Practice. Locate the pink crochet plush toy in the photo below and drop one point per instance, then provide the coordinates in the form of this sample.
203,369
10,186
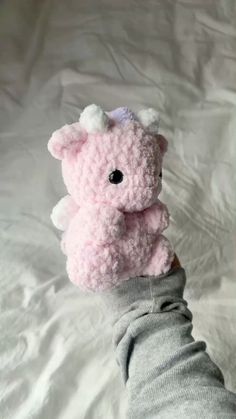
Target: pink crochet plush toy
112,218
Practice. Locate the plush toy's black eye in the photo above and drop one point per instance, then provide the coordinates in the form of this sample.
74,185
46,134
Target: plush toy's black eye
116,177
160,175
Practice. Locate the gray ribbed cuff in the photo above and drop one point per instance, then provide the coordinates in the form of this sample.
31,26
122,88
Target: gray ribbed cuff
148,294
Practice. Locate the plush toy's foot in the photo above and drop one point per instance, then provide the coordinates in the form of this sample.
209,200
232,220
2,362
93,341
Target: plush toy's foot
95,268
161,259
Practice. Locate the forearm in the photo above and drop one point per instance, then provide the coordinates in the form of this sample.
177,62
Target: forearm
168,374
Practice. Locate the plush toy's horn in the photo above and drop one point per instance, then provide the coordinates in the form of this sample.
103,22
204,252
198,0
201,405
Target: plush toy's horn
149,118
93,119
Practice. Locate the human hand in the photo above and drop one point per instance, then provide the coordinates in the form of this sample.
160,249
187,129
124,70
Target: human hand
176,263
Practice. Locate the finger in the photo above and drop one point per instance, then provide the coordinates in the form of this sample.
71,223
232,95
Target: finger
176,263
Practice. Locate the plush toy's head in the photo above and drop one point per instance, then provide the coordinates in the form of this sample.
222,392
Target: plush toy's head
112,158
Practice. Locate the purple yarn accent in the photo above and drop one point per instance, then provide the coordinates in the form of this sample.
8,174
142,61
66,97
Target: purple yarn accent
121,115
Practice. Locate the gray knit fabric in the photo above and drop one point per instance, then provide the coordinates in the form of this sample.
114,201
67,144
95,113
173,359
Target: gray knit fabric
167,373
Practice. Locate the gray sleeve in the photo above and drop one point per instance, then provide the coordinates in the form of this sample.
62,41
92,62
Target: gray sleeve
167,373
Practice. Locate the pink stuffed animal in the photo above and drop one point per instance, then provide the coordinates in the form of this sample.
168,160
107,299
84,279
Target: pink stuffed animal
112,218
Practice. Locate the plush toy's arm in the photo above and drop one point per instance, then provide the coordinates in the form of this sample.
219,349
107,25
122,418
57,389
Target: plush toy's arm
63,212
112,225
157,217
101,223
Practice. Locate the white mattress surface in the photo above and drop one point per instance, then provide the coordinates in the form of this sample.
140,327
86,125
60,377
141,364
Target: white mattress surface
56,357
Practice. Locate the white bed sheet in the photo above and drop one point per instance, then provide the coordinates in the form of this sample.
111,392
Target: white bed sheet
56,358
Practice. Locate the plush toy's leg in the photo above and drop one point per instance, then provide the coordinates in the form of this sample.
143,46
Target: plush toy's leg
161,259
95,267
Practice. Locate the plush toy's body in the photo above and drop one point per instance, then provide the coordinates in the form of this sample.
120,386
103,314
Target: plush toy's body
112,218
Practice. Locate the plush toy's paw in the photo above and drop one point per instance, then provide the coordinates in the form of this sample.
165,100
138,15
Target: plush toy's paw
162,257
164,217
102,224
157,218
111,226
95,268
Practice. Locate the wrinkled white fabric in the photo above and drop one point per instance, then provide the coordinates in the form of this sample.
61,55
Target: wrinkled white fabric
56,57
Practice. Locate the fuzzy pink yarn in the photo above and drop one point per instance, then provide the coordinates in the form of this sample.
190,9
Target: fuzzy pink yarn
112,230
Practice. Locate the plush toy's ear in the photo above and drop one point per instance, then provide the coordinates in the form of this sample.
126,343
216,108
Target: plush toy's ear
163,143
67,138
149,118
